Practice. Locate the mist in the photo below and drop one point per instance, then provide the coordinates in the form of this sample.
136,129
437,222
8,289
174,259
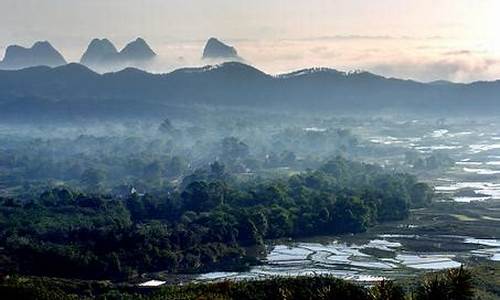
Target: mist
249,150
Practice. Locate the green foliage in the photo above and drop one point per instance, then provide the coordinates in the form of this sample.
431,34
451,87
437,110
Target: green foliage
431,162
455,284
93,178
298,288
204,226
234,149
387,290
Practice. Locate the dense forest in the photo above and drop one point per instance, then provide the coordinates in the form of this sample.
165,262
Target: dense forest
108,158
274,150
206,223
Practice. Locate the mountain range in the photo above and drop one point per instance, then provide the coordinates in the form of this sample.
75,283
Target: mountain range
75,91
101,54
40,54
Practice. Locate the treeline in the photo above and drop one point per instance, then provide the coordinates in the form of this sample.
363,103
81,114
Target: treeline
152,155
455,284
207,224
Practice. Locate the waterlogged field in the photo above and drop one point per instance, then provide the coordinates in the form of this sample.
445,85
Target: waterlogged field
473,149
462,228
432,239
460,159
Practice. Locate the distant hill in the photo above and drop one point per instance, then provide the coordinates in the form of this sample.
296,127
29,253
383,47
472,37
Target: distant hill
217,50
136,51
75,91
40,54
101,55
99,51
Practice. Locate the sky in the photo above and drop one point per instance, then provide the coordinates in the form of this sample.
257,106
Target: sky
426,40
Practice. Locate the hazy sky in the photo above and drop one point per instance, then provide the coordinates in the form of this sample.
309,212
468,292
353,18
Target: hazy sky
421,39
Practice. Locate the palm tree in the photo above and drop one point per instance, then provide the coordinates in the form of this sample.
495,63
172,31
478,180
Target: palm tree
387,290
432,288
460,284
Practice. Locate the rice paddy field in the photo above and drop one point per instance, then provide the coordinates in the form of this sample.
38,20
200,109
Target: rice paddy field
462,163
444,236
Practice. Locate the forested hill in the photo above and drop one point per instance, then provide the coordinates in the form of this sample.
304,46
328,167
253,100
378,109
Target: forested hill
74,90
204,225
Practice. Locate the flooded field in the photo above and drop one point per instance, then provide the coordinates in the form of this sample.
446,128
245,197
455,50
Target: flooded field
388,256
474,150
460,161
433,239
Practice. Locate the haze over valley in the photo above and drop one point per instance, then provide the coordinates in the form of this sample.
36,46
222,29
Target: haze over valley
228,150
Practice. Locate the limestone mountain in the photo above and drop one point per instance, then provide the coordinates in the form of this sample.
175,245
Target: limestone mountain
40,54
137,50
102,56
215,49
99,51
